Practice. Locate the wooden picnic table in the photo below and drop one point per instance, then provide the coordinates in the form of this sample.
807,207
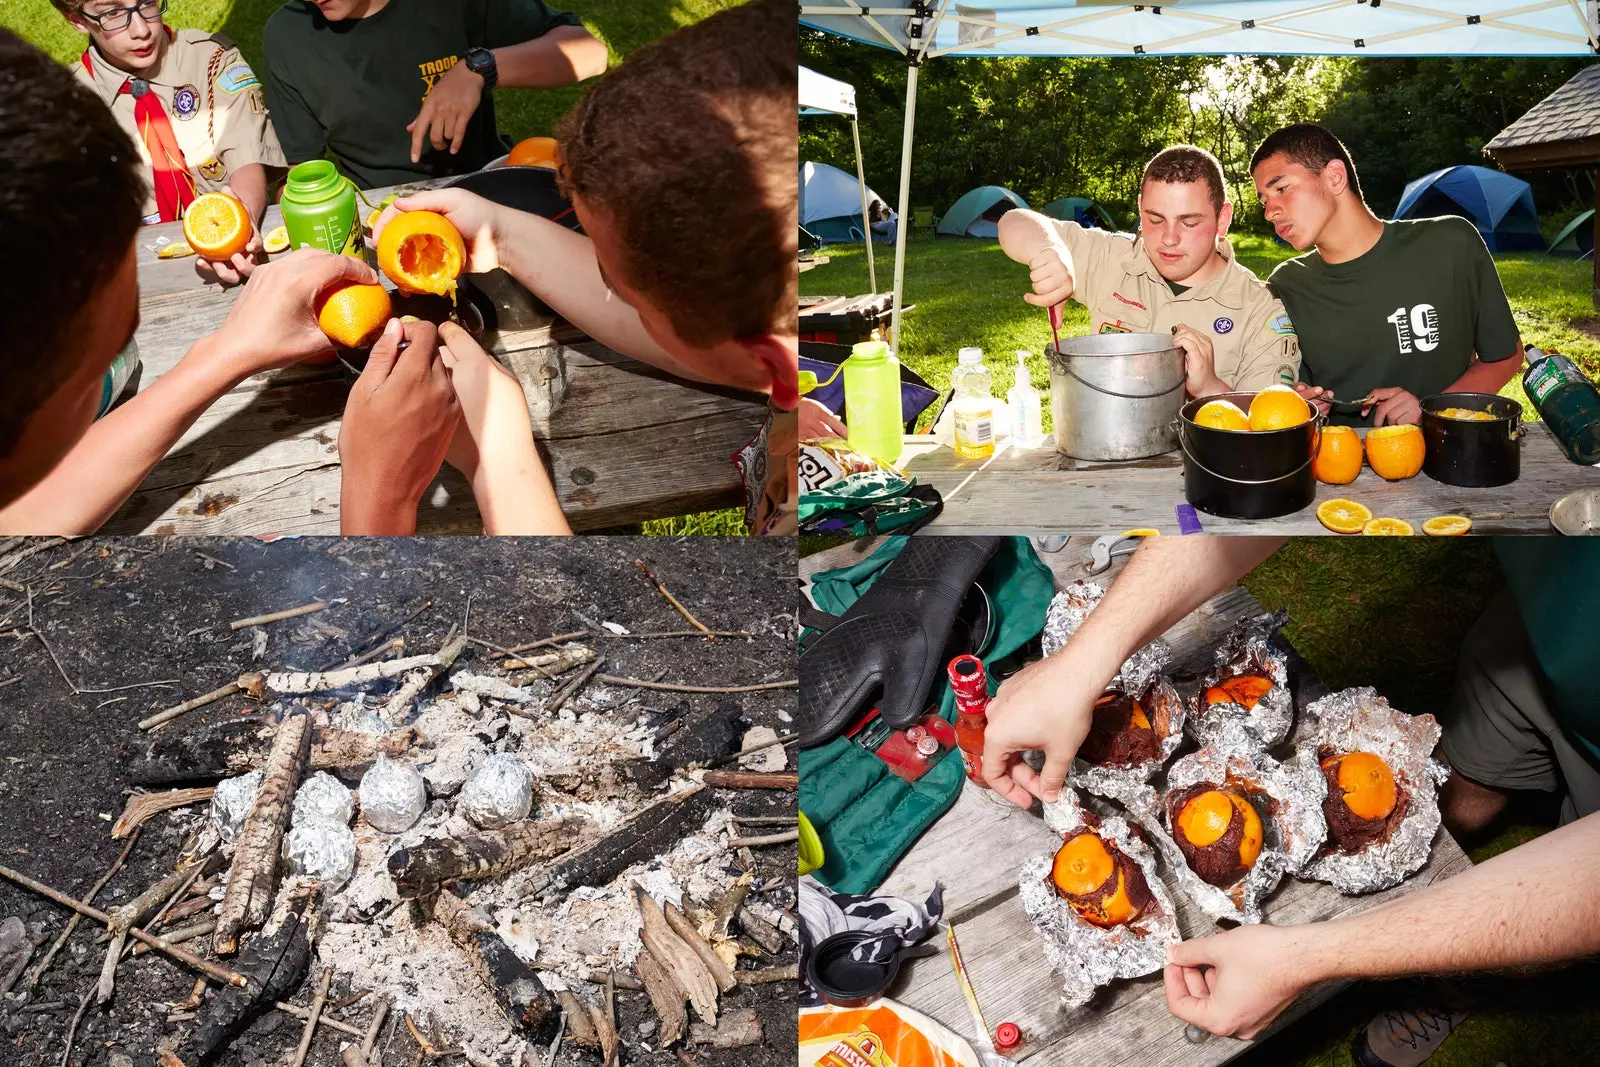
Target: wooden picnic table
975,849
623,441
1041,489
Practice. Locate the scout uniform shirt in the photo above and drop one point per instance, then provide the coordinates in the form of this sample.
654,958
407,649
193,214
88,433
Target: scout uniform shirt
1252,339
202,118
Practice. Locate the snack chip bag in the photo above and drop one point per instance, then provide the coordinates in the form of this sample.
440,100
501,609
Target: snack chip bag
825,460
881,1034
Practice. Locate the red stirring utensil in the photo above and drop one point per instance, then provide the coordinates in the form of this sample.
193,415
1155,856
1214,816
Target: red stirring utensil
1054,311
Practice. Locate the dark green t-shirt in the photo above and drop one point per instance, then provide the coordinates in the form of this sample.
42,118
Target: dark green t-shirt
350,88
1556,583
1410,312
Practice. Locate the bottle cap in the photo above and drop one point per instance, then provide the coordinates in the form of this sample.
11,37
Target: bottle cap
869,350
1007,1036
916,734
968,356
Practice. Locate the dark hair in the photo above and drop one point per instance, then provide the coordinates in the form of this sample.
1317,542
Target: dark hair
1183,163
70,202
69,7
1311,146
691,148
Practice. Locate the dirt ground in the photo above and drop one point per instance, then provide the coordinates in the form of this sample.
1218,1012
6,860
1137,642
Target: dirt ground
124,611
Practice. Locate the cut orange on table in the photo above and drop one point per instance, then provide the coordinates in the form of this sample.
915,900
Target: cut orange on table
1338,459
1221,415
1343,516
1447,526
422,252
1395,452
276,240
1387,527
353,315
1278,407
534,152
176,250
1142,531
217,226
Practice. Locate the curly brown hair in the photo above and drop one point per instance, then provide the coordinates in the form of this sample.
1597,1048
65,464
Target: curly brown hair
690,148
1185,163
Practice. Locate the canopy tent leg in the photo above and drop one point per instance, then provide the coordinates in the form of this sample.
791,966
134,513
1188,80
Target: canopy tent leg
905,202
866,221
1594,295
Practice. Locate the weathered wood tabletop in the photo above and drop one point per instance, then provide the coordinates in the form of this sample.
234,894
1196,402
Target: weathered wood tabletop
977,847
1040,489
623,441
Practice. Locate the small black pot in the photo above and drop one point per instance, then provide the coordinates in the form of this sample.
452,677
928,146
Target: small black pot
510,306
843,981
1239,475
430,308
1472,454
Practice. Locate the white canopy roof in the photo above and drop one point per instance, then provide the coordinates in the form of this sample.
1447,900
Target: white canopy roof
822,95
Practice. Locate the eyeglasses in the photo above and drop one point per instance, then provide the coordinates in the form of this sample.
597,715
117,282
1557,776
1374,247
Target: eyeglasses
118,18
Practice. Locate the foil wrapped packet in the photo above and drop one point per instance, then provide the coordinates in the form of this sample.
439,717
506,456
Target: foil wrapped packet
1229,692
323,798
1359,720
321,849
1085,955
393,796
231,801
1116,761
499,792
1287,796
1074,604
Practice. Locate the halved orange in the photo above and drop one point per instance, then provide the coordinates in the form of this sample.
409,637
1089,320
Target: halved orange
1386,527
1368,785
1343,516
535,152
354,315
1221,415
1277,407
217,226
1395,452
422,252
1447,526
1082,865
1205,818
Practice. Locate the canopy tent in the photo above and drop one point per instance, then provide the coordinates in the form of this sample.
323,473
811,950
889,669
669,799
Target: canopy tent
821,95
976,213
830,204
1500,206
1082,210
923,29
1576,239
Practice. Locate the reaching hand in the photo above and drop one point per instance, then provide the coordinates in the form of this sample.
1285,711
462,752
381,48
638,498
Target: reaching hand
1236,983
817,421
446,111
273,322
479,221
1320,399
1394,406
1199,362
1040,707
236,270
1052,282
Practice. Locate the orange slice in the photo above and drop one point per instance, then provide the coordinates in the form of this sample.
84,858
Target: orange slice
1447,526
1386,527
1343,516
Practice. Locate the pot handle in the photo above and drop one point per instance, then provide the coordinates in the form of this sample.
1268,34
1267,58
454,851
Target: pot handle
1066,367
1517,428
1183,443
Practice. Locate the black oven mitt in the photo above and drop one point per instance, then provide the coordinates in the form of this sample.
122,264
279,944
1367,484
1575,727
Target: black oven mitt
892,637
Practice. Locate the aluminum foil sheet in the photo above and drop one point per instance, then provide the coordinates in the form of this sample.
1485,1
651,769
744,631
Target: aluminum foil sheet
392,795
1291,834
1067,611
323,850
1087,956
323,798
1167,712
500,791
1359,720
1247,649
232,801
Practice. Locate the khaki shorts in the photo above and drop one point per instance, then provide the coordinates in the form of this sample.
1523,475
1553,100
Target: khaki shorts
1499,730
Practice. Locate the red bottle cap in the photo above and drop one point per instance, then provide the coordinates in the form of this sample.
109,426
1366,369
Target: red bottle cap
967,678
1007,1036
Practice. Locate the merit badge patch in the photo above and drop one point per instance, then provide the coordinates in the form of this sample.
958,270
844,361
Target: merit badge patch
237,78
186,101
1222,325
1280,325
212,170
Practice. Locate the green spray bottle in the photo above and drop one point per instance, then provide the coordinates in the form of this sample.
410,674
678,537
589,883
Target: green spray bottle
872,401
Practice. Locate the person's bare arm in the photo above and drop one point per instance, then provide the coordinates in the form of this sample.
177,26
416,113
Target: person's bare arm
1488,377
1486,918
249,184
563,56
1047,704
1032,239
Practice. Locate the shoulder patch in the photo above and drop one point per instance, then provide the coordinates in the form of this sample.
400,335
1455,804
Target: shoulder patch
237,78
1280,324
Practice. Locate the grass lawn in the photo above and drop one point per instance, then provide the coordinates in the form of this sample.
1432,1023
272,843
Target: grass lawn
967,292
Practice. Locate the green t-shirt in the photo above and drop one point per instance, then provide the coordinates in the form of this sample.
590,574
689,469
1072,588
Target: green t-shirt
1410,312
350,88
1556,584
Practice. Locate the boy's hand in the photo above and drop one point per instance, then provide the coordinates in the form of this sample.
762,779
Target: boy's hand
1393,406
398,423
477,219
817,421
1052,282
273,322
1319,398
233,271
1199,362
446,111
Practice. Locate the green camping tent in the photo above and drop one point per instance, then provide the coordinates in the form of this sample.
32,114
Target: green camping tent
1082,210
1576,240
976,213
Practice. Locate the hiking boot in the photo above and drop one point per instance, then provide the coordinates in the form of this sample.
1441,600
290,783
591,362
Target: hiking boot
1404,1037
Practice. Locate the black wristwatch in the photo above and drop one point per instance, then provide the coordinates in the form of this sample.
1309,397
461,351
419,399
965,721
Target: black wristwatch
481,62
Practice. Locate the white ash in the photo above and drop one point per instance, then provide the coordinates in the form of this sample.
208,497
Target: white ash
323,798
499,792
485,685
763,753
574,744
232,801
392,795
453,763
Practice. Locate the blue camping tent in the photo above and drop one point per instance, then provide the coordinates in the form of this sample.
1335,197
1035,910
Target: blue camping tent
977,213
1500,206
1082,210
830,205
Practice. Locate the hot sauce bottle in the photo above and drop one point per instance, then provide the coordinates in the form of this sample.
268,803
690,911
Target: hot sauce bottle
970,684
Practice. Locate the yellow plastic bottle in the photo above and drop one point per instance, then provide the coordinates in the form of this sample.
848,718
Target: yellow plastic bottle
972,409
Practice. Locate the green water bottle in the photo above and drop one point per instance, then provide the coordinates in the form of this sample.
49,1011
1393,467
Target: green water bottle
1568,403
872,401
319,209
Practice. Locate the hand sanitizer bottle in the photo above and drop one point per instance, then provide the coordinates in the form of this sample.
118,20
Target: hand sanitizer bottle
1027,417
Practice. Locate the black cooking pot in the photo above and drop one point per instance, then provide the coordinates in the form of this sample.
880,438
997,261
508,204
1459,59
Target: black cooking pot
509,305
1247,475
466,312
1471,453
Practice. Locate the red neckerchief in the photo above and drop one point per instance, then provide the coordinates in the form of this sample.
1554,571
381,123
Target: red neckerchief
174,185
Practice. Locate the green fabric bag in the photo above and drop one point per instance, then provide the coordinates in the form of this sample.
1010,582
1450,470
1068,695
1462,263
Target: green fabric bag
869,503
866,817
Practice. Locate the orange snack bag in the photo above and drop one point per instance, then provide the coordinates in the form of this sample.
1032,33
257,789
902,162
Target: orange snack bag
882,1034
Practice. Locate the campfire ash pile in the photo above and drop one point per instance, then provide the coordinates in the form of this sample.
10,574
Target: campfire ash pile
510,849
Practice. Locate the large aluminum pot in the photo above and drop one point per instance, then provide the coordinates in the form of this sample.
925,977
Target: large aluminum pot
1116,395
1577,514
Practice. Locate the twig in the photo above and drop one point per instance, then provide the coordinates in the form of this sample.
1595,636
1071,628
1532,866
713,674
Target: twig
423,1043
144,805
381,637
767,820
555,1046
74,686
305,1013
664,591
72,1031
218,562
558,639
373,1027
279,616
316,1014
72,923
119,935
767,975
770,839
749,780
10,562
560,699
10,681
187,706
395,646
638,683
679,633
292,682
182,934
